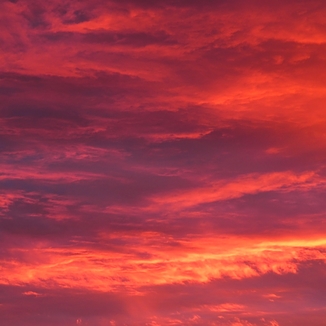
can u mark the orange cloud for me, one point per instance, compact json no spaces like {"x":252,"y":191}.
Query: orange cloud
{"x":248,"y":184}
{"x":201,"y":261}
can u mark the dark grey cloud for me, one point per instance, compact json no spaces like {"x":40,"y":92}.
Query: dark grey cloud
{"x":50,"y":307}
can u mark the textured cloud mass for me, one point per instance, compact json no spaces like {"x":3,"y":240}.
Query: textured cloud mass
{"x":162,"y":163}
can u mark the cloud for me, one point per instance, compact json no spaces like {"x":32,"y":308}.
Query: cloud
{"x":162,"y":163}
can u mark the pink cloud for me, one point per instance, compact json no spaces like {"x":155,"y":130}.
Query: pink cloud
{"x":162,"y":163}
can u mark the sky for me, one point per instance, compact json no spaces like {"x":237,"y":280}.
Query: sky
{"x":162,"y":162}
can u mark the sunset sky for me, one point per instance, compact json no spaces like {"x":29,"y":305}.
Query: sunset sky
{"x":163,"y":162}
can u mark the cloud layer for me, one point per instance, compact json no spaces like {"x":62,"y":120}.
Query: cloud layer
{"x":162,"y":163}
